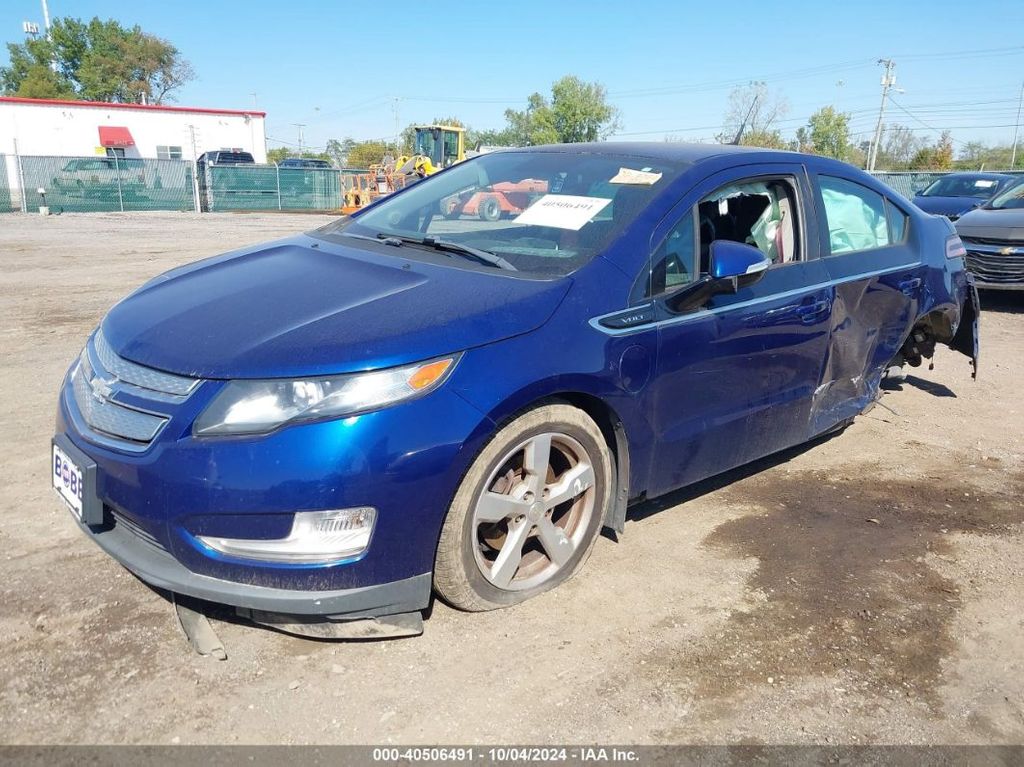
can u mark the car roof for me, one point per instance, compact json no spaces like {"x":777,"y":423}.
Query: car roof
{"x":981,"y":176}
{"x":670,"y":151}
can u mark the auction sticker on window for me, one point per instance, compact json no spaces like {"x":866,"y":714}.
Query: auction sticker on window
{"x":562,"y":211}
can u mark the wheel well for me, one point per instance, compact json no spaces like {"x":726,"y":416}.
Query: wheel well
{"x":614,"y":433}
{"x":931,"y":328}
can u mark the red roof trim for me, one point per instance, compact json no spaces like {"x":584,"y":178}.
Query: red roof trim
{"x":140,"y":107}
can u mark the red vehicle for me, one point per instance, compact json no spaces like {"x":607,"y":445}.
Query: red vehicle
{"x":507,"y":198}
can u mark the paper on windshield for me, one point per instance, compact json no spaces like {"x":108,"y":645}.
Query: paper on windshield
{"x":630,"y":176}
{"x":562,"y":211}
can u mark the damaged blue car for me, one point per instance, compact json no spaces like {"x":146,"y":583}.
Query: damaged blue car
{"x":413,"y":400}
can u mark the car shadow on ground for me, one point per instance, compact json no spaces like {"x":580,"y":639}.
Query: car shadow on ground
{"x":928,"y":387}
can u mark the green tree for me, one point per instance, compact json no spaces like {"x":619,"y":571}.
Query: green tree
{"x":898,"y":148}
{"x":577,"y":111}
{"x":767,"y":139}
{"x":95,"y":61}
{"x":977,"y":155}
{"x":489,"y":137}
{"x":277,"y":154}
{"x":367,"y":153}
{"x":828,"y":133}
{"x":338,"y":151}
{"x":936,"y":157}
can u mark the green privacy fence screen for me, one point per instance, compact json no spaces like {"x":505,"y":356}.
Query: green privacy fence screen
{"x":267,"y":187}
{"x":93,"y":184}
{"x":5,"y":187}
{"x":907,"y":183}
{"x":98,"y":183}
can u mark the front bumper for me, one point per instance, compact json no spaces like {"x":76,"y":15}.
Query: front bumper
{"x":158,"y":568}
{"x":404,"y":461}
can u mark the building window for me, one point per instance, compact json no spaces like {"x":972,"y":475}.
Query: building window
{"x":168,"y":152}
{"x":115,"y":152}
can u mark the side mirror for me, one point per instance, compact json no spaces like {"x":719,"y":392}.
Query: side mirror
{"x":735,"y":261}
{"x":733,"y":266}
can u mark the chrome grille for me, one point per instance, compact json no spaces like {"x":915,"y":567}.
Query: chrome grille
{"x":995,"y":261}
{"x":993,"y":241}
{"x":101,"y":383}
{"x":109,"y":417}
{"x":143,"y":377}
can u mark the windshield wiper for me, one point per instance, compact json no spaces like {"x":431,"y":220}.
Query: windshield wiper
{"x":447,"y":246}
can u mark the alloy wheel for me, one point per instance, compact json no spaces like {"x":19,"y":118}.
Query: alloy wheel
{"x":534,"y":511}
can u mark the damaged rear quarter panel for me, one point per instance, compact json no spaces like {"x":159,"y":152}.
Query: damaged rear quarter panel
{"x":881,"y":295}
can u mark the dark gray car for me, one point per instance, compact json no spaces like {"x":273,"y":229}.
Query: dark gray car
{"x":994,"y":238}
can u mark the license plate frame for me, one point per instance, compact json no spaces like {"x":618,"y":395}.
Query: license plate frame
{"x":73,"y":477}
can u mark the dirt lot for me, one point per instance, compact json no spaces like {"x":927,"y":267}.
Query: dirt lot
{"x":867,"y":588}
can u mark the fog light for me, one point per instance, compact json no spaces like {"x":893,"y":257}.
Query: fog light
{"x":316,"y":537}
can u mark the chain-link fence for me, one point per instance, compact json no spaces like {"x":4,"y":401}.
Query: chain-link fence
{"x":95,"y":184}
{"x":268,"y":187}
{"x":907,"y":183}
{"x":6,"y":205}
{"x":910,"y":182}
{"x":98,"y":183}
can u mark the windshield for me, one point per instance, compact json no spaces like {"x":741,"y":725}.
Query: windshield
{"x":545,"y":213}
{"x":1009,"y":198}
{"x":962,"y":186}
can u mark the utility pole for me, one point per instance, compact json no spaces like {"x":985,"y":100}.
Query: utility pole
{"x":195,"y":168}
{"x":300,"y":126}
{"x":888,"y":81}
{"x":398,"y":133}
{"x":1016,"y":128}
{"x":46,"y":25}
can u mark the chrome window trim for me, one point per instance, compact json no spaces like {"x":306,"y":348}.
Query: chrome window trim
{"x":595,"y":322}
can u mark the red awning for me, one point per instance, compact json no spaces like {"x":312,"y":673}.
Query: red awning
{"x":112,"y":135}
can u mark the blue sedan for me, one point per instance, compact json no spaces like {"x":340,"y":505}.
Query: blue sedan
{"x":337,"y":425}
{"x":955,"y":194}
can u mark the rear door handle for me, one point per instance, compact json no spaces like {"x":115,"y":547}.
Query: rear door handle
{"x":908,"y":287}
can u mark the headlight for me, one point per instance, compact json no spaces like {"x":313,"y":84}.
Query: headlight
{"x":258,"y":407}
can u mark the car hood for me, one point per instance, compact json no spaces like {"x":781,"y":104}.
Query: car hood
{"x":947,"y":206}
{"x":306,"y":306}
{"x":1005,"y":224}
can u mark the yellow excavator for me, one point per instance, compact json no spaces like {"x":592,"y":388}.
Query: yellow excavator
{"x":435,"y":147}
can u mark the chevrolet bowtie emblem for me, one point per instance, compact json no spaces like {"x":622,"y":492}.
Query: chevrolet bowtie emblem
{"x":102,"y":388}
{"x":1007,"y":251}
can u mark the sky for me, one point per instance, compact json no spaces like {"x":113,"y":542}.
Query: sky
{"x":353,"y":69}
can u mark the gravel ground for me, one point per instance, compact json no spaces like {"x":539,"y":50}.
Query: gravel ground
{"x":863,"y":589}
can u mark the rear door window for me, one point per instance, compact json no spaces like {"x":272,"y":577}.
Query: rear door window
{"x":855,"y":216}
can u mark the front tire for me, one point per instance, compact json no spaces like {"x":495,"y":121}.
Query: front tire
{"x":489,"y":209}
{"x":528,"y":511}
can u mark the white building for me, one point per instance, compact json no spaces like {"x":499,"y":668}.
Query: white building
{"x":89,"y":128}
